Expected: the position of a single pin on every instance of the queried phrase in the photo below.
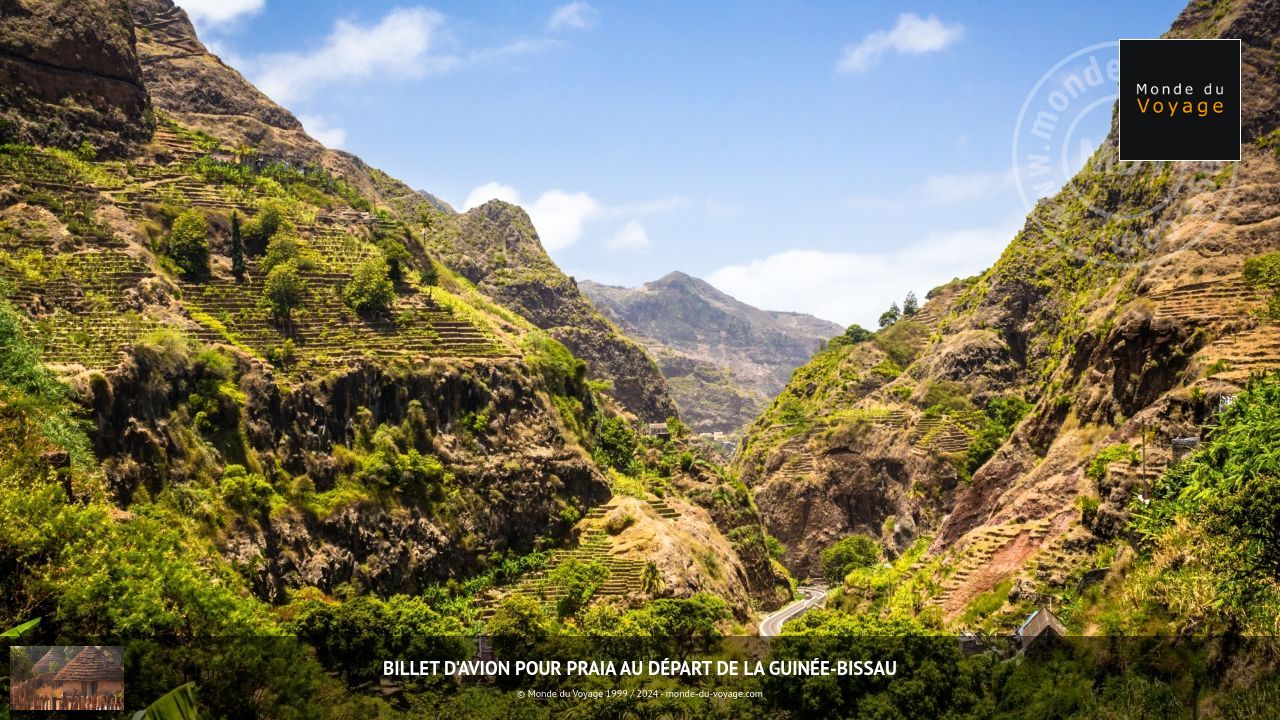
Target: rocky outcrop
(510, 481)
(722, 357)
(496, 247)
(69, 74)
(1112, 353)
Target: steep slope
(724, 359)
(264, 345)
(67, 77)
(496, 247)
(1076, 365)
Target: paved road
(811, 596)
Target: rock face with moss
(496, 247)
(1015, 416)
(724, 359)
(311, 367)
(69, 74)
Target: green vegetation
(284, 289)
(852, 335)
(848, 554)
(1210, 534)
(890, 316)
(237, 248)
(1263, 273)
(579, 581)
(353, 637)
(1096, 470)
(188, 244)
(247, 492)
(370, 290)
(1002, 414)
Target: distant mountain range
(723, 358)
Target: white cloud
(911, 35)
(320, 129)
(574, 15)
(402, 45)
(851, 287)
(491, 191)
(631, 236)
(209, 13)
(558, 216)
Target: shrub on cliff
(188, 244)
(844, 556)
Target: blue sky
(820, 157)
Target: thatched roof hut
(91, 664)
(51, 662)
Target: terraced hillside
(1016, 417)
(95, 287)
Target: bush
(245, 492)
(1263, 273)
(237, 248)
(429, 274)
(370, 290)
(1097, 468)
(579, 580)
(1002, 415)
(284, 289)
(263, 227)
(615, 444)
(188, 244)
(396, 255)
(286, 247)
(845, 556)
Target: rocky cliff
(1014, 418)
(69, 74)
(316, 442)
(724, 359)
(496, 247)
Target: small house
(93, 672)
(658, 430)
(1040, 625)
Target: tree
(1263, 273)
(853, 335)
(370, 289)
(890, 316)
(283, 247)
(690, 625)
(284, 289)
(651, 579)
(428, 274)
(853, 552)
(910, 306)
(237, 248)
(263, 227)
(188, 244)
(518, 625)
(396, 255)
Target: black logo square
(1179, 100)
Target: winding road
(812, 596)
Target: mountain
(724, 359)
(232, 356)
(1006, 430)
